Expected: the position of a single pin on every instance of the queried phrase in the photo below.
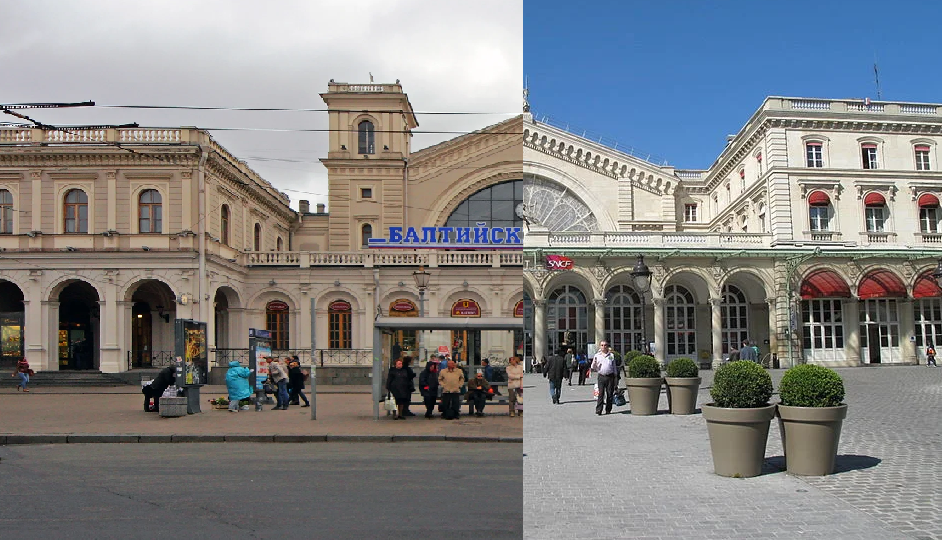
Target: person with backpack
(930, 356)
(583, 368)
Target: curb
(113, 438)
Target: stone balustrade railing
(21, 135)
(385, 257)
(857, 106)
(537, 239)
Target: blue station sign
(479, 237)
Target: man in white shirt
(604, 363)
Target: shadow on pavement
(844, 463)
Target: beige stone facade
(814, 234)
(90, 280)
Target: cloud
(449, 56)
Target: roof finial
(526, 94)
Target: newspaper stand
(191, 360)
(259, 349)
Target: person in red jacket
(23, 371)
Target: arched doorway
(79, 315)
(822, 316)
(879, 291)
(567, 321)
(227, 319)
(734, 315)
(11, 324)
(623, 319)
(153, 312)
(680, 322)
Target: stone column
(599, 320)
(773, 328)
(51, 335)
(124, 331)
(539, 329)
(659, 353)
(108, 359)
(716, 330)
(851, 313)
(907, 330)
(33, 334)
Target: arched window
(150, 217)
(496, 205)
(734, 314)
(76, 211)
(680, 322)
(6, 212)
(276, 322)
(366, 232)
(339, 325)
(875, 212)
(623, 319)
(224, 224)
(280, 244)
(257, 237)
(567, 311)
(365, 137)
(928, 213)
(819, 211)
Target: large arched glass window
(224, 224)
(276, 322)
(734, 315)
(76, 211)
(150, 217)
(680, 321)
(495, 205)
(567, 320)
(365, 137)
(623, 319)
(6, 212)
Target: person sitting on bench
(155, 389)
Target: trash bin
(192, 394)
(173, 407)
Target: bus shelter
(388, 324)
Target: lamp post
(641, 278)
(421, 277)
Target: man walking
(604, 363)
(748, 352)
(571, 365)
(450, 381)
(555, 373)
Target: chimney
(304, 206)
(321, 208)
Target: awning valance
(819, 197)
(881, 284)
(824, 284)
(926, 286)
(928, 199)
(874, 199)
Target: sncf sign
(558, 262)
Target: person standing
(583, 369)
(514, 383)
(23, 371)
(398, 383)
(407, 364)
(930, 356)
(428, 386)
(451, 380)
(478, 388)
(748, 352)
(555, 372)
(237, 384)
(571, 365)
(279, 376)
(296, 383)
(604, 364)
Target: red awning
(874, 199)
(824, 284)
(881, 284)
(819, 197)
(928, 199)
(926, 286)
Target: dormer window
(365, 137)
(868, 153)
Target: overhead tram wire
(287, 109)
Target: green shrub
(644, 367)
(682, 367)
(630, 355)
(809, 385)
(617, 356)
(741, 385)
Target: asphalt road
(233, 491)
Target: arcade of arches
(878, 318)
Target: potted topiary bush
(739, 417)
(810, 417)
(644, 385)
(683, 385)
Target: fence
(149, 359)
(323, 357)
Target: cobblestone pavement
(619, 476)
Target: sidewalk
(115, 414)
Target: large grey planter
(810, 437)
(682, 394)
(643, 395)
(738, 438)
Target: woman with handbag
(23, 371)
(398, 383)
(296, 382)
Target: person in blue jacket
(237, 382)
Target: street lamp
(421, 277)
(641, 278)
(937, 275)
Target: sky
(449, 56)
(673, 78)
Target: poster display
(191, 347)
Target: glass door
(823, 330)
(879, 331)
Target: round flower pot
(643, 395)
(738, 438)
(682, 394)
(810, 436)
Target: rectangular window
(876, 218)
(339, 329)
(819, 218)
(366, 193)
(6, 219)
(690, 213)
(868, 154)
(922, 158)
(277, 324)
(815, 158)
(929, 219)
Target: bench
(497, 400)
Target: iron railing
(149, 359)
(323, 357)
